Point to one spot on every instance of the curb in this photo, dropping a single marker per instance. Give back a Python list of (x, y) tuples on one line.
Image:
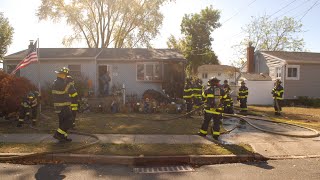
[(141, 160)]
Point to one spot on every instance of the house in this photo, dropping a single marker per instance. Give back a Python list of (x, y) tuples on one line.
[(136, 70), (298, 71), (222, 72)]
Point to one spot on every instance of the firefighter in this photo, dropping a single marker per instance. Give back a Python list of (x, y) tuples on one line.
[(228, 102), (74, 99), (35, 106), (277, 93), (62, 102), (187, 96), (242, 97), (26, 108), (213, 99), (197, 93)]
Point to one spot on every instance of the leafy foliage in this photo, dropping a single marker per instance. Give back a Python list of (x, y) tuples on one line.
[(12, 90), (6, 32), (105, 23), (271, 35), (196, 43)]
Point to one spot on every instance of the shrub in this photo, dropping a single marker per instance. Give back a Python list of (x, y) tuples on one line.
[(12, 91), (303, 101)]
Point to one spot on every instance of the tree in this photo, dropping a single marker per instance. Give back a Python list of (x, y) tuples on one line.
[(272, 35), (196, 43), (105, 23), (6, 32)]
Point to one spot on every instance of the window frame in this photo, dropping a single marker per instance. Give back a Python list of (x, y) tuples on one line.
[(145, 64), (17, 74), (204, 75), (278, 72), (298, 72)]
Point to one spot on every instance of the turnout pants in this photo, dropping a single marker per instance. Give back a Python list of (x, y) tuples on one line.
[(215, 126), (189, 105), (74, 115), (65, 120), (243, 105), (277, 103)]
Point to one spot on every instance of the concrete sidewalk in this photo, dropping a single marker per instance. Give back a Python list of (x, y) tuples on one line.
[(110, 138)]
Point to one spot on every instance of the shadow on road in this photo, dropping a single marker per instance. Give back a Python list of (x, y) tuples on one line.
[(50, 172)]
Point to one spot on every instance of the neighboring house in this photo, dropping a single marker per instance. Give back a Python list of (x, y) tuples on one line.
[(135, 69), (260, 86), (222, 72), (298, 71)]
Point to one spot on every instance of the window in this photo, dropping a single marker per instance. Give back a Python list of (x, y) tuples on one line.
[(204, 75), (75, 70), (149, 72), (293, 72), (278, 72), (10, 68)]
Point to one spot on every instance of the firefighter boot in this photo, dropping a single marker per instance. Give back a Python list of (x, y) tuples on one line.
[(19, 123), (67, 139), (59, 137)]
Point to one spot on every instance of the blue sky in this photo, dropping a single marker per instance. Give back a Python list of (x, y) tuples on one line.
[(22, 17)]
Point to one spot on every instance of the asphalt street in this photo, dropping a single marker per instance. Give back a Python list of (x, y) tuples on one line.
[(306, 169)]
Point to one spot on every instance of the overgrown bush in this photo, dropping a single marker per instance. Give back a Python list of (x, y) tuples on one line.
[(12, 91)]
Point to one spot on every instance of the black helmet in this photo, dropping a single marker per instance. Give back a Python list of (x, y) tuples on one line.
[(36, 93), (63, 70), (225, 81), (30, 95), (278, 81), (242, 82), (213, 80)]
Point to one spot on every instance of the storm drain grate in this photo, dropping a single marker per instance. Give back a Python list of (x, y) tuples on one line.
[(163, 169)]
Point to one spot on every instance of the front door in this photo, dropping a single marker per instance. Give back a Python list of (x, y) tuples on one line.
[(102, 69)]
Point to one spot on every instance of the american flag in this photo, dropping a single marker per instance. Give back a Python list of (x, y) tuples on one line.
[(31, 57)]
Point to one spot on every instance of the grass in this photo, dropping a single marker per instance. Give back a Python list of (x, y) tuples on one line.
[(309, 117), (132, 149), (115, 124)]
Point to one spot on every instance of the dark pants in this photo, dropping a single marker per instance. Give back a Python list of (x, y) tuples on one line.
[(74, 115), (216, 123), (189, 106), (30, 112), (65, 118), (277, 104), (243, 105)]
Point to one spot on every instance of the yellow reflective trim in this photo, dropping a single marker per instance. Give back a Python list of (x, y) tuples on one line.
[(211, 112), (73, 95), (74, 105), (21, 120), (61, 131), (279, 98), (203, 131), (215, 133), (62, 104), (210, 95), (242, 97), (74, 108), (244, 108), (204, 95), (225, 96), (58, 92), (187, 90), (197, 89)]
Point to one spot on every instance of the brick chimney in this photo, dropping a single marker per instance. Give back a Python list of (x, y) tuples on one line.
[(250, 58), (31, 44)]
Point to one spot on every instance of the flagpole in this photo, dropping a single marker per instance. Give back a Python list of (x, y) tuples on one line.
[(39, 82)]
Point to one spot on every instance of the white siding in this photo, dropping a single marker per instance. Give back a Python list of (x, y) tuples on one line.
[(260, 92)]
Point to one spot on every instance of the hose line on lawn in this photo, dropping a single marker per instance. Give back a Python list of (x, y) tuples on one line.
[(248, 118)]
